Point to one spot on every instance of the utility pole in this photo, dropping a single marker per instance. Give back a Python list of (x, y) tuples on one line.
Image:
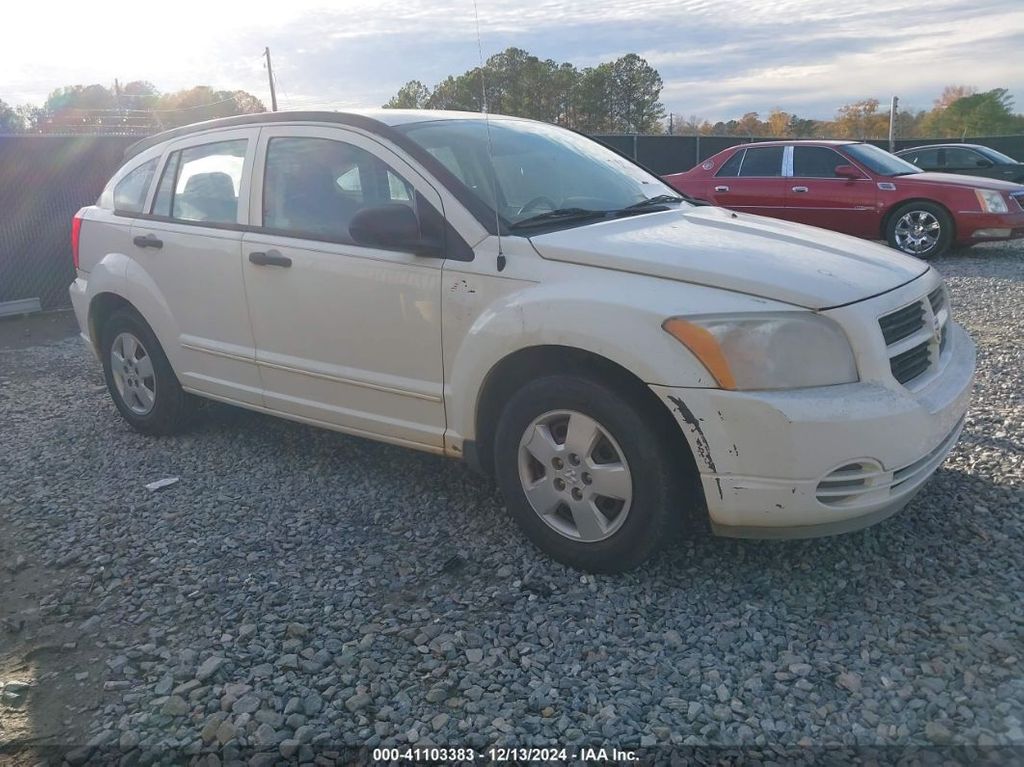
[(270, 76), (892, 123), (671, 127)]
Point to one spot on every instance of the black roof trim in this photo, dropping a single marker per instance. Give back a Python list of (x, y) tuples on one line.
[(260, 118), (483, 214)]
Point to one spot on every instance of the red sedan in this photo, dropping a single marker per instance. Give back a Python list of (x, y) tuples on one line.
[(858, 189)]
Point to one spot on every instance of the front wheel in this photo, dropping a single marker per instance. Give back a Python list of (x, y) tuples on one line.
[(921, 229), (586, 473)]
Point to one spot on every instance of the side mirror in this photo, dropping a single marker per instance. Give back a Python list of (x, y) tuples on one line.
[(391, 225), (983, 163), (847, 171)]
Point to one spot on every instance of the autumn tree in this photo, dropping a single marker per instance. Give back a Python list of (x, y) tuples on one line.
[(861, 120), (778, 123)]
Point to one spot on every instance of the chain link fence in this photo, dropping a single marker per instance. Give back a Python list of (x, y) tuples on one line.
[(44, 180)]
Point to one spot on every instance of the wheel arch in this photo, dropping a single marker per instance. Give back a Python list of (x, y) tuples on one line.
[(516, 369), (101, 307), (897, 207)]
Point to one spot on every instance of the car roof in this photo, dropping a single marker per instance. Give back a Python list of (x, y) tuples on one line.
[(942, 146), (800, 142), (379, 121)]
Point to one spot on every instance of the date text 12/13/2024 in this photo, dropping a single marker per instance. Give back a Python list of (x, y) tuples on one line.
[(503, 754)]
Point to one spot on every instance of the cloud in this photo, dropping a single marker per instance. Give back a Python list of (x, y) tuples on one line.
[(718, 58)]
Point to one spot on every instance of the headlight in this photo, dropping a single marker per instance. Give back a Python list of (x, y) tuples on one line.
[(784, 350), (991, 201)]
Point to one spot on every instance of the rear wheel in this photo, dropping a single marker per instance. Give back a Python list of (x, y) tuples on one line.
[(586, 474), (921, 229), (139, 377)]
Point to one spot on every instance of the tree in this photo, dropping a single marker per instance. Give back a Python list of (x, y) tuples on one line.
[(979, 114), (953, 93), (636, 94), (617, 96), (778, 123), (10, 120), (204, 103), (748, 125), (861, 120), (412, 95)]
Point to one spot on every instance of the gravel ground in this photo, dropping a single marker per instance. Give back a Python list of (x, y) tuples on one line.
[(297, 590)]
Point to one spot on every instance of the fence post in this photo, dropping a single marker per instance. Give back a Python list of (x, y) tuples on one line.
[(696, 151), (634, 146)]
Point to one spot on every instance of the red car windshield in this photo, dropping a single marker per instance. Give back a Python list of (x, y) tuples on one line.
[(879, 161)]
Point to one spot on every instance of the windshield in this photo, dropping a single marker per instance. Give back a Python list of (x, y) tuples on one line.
[(880, 161), (997, 157), (533, 168)]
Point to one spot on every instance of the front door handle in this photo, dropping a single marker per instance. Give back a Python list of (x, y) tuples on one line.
[(270, 258), (800, 189), (148, 241), (721, 189)]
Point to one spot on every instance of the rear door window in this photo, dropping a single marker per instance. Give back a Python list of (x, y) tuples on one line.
[(130, 192), (201, 183), (923, 158), (762, 162)]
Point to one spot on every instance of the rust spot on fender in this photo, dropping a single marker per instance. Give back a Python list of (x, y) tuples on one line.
[(703, 449)]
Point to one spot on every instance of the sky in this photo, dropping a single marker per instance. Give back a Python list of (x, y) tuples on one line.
[(718, 58)]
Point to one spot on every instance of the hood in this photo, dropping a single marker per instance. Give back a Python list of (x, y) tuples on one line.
[(955, 179), (765, 257)]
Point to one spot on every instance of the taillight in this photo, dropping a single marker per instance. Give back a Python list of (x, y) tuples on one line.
[(76, 234)]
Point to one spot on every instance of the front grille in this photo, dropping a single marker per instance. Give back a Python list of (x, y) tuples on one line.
[(902, 323), (1018, 197), (916, 335), (911, 363)]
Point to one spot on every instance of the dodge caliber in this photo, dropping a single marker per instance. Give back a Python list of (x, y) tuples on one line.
[(514, 295)]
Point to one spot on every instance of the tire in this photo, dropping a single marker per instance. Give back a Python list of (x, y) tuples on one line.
[(921, 229), (626, 531), (147, 395)]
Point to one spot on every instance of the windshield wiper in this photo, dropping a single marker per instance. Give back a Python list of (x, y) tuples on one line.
[(658, 199), (559, 214)]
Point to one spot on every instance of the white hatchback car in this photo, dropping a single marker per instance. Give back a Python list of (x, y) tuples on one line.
[(517, 295)]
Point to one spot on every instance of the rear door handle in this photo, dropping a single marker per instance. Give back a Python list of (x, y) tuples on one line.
[(270, 258), (800, 189), (148, 241), (721, 189)]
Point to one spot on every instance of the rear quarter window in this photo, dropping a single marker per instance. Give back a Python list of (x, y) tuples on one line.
[(130, 192)]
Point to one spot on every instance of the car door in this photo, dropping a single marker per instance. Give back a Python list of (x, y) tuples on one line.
[(346, 334), (815, 195), (187, 251), (751, 181), (958, 159)]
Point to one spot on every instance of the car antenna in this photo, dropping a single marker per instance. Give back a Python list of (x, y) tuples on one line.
[(490, 146)]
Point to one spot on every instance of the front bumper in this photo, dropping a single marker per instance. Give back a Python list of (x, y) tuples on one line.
[(974, 227), (763, 456)]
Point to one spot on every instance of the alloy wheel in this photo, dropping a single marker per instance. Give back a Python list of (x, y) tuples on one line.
[(917, 232), (132, 370), (575, 475)]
